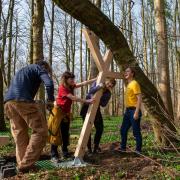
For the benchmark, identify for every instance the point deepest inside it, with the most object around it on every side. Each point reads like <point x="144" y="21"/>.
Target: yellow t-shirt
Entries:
<point x="131" y="91"/>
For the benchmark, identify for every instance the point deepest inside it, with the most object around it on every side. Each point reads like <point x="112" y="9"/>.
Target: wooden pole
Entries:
<point x="103" y="65"/>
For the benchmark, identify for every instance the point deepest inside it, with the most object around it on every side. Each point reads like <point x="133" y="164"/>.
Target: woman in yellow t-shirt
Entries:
<point x="132" y="114"/>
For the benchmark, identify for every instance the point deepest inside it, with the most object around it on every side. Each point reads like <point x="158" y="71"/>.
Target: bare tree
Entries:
<point x="2" y="120"/>
<point x="38" y="24"/>
<point x="51" y="35"/>
<point x="163" y="62"/>
<point x="31" y="34"/>
<point x="10" y="41"/>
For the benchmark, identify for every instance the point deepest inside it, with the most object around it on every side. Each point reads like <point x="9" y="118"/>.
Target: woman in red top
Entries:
<point x="64" y="100"/>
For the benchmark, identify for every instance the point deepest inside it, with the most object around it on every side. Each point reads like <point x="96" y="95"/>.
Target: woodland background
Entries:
<point x="149" y="36"/>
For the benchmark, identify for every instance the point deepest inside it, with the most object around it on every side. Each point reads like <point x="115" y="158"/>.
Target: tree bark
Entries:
<point x="144" y="37"/>
<point x="15" y="48"/>
<point x="52" y="35"/>
<point x="130" y="31"/>
<point x="31" y="34"/>
<point x="81" y="62"/>
<point x="92" y="17"/>
<point x="2" y="120"/>
<point x="162" y="56"/>
<point x="38" y="24"/>
<point x="93" y="67"/>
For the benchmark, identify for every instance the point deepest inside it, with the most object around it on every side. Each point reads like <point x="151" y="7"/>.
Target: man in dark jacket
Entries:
<point x="24" y="113"/>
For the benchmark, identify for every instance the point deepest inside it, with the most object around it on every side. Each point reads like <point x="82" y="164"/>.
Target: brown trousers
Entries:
<point x="23" y="116"/>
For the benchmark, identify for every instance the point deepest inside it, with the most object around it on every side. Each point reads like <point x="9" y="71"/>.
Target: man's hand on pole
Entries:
<point x="49" y="106"/>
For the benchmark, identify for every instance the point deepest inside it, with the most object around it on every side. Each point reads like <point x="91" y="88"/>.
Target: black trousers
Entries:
<point x="98" y="123"/>
<point x="65" y="139"/>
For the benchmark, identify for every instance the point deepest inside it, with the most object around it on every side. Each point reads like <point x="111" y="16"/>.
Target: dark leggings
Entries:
<point x="98" y="123"/>
<point x="65" y="139"/>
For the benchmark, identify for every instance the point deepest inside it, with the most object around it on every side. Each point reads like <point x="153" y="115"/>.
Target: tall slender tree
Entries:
<point x="162" y="47"/>
<point x="10" y="41"/>
<point x="38" y="24"/>
<point x="93" y="68"/>
<point x="144" y="36"/>
<point x="130" y="31"/>
<point x="51" y="35"/>
<point x="2" y="120"/>
<point x="31" y="34"/>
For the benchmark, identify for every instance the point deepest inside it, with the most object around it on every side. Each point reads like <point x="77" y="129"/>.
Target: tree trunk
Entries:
<point x="67" y="44"/>
<point x="2" y="120"/>
<point x="38" y="24"/>
<point x="162" y="56"/>
<point x="81" y="61"/>
<point x="51" y="35"/>
<point x="130" y="31"/>
<point x="4" y="39"/>
<point x="144" y="37"/>
<point x="163" y="63"/>
<point x="93" y="67"/>
<point x="31" y="34"/>
<point x="92" y="17"/>
<point x="178" y="86"/>
<point x="15" y="48"/>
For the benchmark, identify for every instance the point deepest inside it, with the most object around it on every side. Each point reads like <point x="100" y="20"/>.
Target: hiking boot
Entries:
<point x="138" y="152"/>
<point x="27" y="169"/>
<point x="121" y="150"/>
<point x="89" y="152"/>
<point x="55" y="160"/>
<point x="66" y="154"/>
<point x="97" y="150"/>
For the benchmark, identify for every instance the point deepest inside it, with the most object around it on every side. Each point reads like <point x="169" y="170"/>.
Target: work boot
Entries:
<point x="121" y="150"/>
<point x="55" y="160"/>
<point x="27" y="169"/>
<point x="66" y="154"/>
<point x="89" y="152"/>
<point x="96" y="150"/>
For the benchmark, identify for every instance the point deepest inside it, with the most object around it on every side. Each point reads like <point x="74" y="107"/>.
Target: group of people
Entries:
<point x="24" y="113"/>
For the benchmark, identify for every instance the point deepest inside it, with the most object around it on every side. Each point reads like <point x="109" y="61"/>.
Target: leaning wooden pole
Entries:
<point x="103" y="65"/>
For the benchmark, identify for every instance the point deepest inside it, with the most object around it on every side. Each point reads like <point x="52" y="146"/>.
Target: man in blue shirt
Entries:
<point x="24" y="113"/>
<point x="98" y="122"/>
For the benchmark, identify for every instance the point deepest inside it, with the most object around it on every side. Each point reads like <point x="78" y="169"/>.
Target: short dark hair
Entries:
<point x="132" y="70"/>
<point x="42" y="63"/>
<point x="45" y="64"/>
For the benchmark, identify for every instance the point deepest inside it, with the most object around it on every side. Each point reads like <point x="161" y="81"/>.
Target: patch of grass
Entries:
<point x="4" y="150"/>
<point x="120" y="174"/>
<point x="34" y="176"/>
<point x="162" y="176"/>
<point x="105" y="176"/>
<point x="78" y="176"/>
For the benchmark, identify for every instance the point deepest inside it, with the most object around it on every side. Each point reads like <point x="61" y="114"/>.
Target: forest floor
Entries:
<point x="153" y="163"/>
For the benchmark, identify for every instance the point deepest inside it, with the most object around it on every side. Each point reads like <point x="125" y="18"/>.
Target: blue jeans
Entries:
<point x="128" y="121"/>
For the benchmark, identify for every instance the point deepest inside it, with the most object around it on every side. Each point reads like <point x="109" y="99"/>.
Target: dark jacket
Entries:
<point x="104" y="98"/>
<point x="103" y="101"/>
<point x="26" y="82"/>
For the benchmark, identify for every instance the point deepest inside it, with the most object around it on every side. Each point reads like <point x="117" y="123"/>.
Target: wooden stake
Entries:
<point x="103" y="65"/>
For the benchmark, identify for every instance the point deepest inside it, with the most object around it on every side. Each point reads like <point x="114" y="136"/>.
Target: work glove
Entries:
<point x="49" y="105"/>
<point x="101" y="85"/>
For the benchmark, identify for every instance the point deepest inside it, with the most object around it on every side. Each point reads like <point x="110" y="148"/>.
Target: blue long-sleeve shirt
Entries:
<point x="26" y="82"/>
<point x="104" y="98"/>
